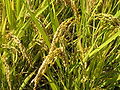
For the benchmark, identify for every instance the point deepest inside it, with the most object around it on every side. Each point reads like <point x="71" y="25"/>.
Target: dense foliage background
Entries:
<point x="60" y="44"/>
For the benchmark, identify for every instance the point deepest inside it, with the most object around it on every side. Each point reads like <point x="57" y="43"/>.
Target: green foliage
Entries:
<point x="59" y="44"/>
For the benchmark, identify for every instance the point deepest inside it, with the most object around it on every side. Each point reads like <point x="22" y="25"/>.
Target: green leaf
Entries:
<point x="105" y="43"/>
<point x="18" y="6"/>
<point x="42" y="8"/>
<point x="39" y="27"/>
<point x="117" y="14"/>
<point x="52" y="84"/>
<point x="26" y="81"/>
<point x="53" y="17"/>
<point x="10" y="15"/>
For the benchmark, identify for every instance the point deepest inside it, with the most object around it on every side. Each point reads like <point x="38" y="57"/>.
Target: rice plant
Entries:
<point x="59" y="44"/>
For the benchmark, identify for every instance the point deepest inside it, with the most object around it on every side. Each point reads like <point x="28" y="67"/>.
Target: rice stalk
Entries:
<point x="53" y="52"/>
<point x="21" y="47"/>
<point x="65" y="44"/>
<point x="6" y="69"/>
